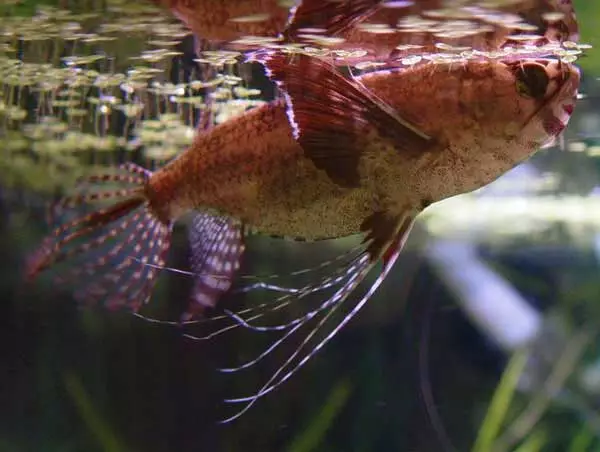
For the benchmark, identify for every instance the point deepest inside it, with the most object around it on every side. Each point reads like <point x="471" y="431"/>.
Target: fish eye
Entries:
<point x="532" y="80"/>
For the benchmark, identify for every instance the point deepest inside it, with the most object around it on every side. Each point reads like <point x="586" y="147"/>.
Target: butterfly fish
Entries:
<point x="334" y="157"/>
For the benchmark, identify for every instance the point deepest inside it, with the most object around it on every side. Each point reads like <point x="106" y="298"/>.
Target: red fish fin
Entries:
<point x="217" y="247"/>
<point x="333" y="17"/>
<point x="383" y="231"/>
<point x="329" y="113"/>
<point x="113" y="252"/>
<point x="385" y="234"/>
<point x="394" y="248"/>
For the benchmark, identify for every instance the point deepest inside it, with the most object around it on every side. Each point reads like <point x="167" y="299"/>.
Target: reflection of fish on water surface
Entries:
<point x="376" y="26"/>
<point x="335" y="157"/>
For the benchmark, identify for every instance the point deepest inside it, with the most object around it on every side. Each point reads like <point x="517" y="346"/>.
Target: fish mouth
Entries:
<point x="559" y="107"/>
<point x="555" y="90"/>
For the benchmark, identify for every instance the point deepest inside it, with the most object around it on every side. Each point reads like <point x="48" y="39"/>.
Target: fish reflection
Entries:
<point x="226" y="20"/>
<point x="335" y="157"/>
<point x="381" y="28"/>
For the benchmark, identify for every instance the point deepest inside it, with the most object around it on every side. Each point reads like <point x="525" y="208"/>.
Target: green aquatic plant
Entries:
<point x="311" y="438"/>
<point x="78" y="89"/>
<point x="106" y="438"/>
<point x="500" y="403"/>
<point x="527" y="425"/>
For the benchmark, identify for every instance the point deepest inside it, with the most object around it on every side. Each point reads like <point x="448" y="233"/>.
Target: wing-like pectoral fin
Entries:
<point x="330" y="113"/>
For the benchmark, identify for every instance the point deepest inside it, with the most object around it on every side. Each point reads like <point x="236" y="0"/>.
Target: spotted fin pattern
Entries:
<point x="216" y="251"/>
<point x="113" y="253"/>
<point x="303" y="314"/>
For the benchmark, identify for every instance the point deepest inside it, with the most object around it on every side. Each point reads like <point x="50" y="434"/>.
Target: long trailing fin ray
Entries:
<point x="331" y="281"/>
<point x="329" y="113"/>
<point x="285" y="371"/>
<point x="261" y="311"/>
<point x="385" y="233"/>
<point x="274" y="381"/>
<point x="217" y="248"/>
<point x="352" y="277"/>
<point x="258" y="283"/>
<point x="266" y="309"/>
<point x="106" y="243"/>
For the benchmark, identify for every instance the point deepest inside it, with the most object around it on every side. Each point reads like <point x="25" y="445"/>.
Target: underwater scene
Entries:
<point x="269" y="225"/>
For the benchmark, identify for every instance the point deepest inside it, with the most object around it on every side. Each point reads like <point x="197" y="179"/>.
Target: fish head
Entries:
<point x="496" y="114"/>
<point x="545" y="93"/>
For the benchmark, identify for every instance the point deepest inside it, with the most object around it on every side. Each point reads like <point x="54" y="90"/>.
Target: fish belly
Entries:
<point x="301" y="202"/>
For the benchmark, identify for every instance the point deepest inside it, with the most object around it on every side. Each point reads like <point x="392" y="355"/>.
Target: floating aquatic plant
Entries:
<point x="77" y="89"/>
<point x="106" y="76"/>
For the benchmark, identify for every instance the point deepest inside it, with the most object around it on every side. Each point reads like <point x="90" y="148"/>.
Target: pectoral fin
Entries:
<point x="329" y="113"/>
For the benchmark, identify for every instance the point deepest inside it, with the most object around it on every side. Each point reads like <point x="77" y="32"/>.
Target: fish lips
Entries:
<point x="554" y="115"/>
<point x="564" y="104"/>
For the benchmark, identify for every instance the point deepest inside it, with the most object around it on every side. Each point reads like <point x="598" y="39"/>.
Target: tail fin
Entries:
<point x="109" y="247"/>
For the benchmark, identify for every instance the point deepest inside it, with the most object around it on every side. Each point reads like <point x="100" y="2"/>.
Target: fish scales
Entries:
<point x="336" y="156"/>
<point x="252" y="168"/>
<point x="472" y="113"/>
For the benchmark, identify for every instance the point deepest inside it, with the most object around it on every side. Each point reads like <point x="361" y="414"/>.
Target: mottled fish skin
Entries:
<point x="251" y="167"/>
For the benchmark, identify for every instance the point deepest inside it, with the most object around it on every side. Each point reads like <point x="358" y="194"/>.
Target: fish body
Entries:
<point x="335" y="156"/>
<point x="253" y="169"/>
<point x="330" y="160"/>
